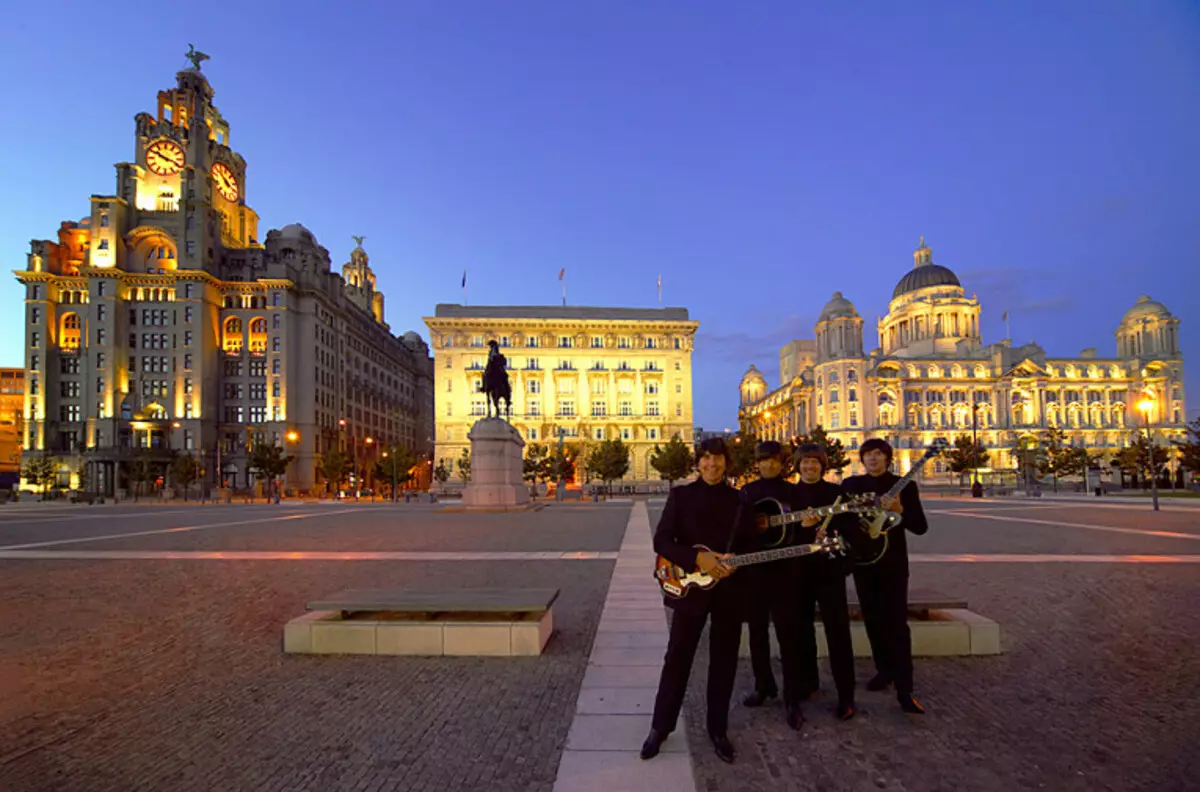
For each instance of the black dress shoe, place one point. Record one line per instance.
(653, 743)
(757, 698)
(910, 704)
(879, 682)
(845, 710)
(724, 748)
(795, 718)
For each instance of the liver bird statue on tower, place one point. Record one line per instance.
(195, 56)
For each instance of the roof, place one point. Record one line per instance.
(453, 310)
(837, 306)
(923, 277)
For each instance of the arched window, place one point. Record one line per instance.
(956, 371)
(851, 376)
(69, 338)
(232, 341)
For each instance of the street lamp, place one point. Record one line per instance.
(1146, 405)
(370, 442)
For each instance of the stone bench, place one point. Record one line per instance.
(941, 626)
(492, 622)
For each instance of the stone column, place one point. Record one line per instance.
(496, 468)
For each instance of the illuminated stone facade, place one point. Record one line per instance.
(594, 373)
(161, 323)
(12, 411)
(931, 371)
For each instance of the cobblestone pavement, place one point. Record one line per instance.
(1098, 687)
(166, 675)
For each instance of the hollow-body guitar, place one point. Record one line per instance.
(675, 581)
(774, 520)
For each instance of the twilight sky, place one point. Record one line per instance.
(758, 155)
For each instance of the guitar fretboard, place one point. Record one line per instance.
(911, 475)
(791, 517)
(763, 556)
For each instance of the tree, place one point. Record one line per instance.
(966, 455)
(141, 470)
(673, 461)
(441, 474)
(536, 464)
(82, 474)
(396, 467)
(269, 462)
(562, 462)
(1056, 458)
(610, 461)
(1189, 447)
(185, 471)
(464, 465)
(741, 454)
(334, 467)
(833, 448)
(1136, 459)
(41, 471)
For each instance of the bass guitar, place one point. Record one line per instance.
(872, 542)
(675, 581)
(773, 520)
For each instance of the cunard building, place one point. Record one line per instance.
(163, 324)
(931, 375)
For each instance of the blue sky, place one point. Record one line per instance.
(758, 155)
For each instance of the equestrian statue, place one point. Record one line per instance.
(495, 382)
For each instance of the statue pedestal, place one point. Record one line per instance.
(497, 482)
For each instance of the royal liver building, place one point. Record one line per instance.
(162, 324)
(932, 375)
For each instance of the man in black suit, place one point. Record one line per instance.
(706, 512)
(822, 580)
(772, 596)
(883, 586)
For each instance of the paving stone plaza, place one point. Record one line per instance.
(141, 648)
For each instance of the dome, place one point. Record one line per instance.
(837, 306)
(753, 375)
(295, 231)
(923, 277)
(1145, 307)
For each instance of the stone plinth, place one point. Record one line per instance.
(497, 482)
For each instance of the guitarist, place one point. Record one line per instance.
(772, 597)
(709, 512)
(822, 580)
(883, 586)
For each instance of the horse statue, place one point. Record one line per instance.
(495, 382)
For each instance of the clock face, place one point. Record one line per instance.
(164, 158)
(225, 181)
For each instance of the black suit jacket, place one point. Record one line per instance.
(709, 515)
(895, 560)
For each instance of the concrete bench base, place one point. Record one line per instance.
(946, 633)
(395, 633)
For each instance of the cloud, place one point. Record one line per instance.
(1020, 291)
(742, 347)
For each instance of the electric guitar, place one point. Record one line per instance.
(773, 520)
(675, 581)
(872, 542)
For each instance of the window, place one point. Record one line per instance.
(533, 386)
(187, 338)
(275, 321)
(258, 415)
(258, 368)
(276, 298)
(187, 362)
(597, 342)
(275, 389)
(598, 434)
(625, 407)
(69, 390)
(652, 433)
(35, 315)
(833, 396)
(190, 247)
(187, 290)
(599, 409)
(35, 339)
(851, 394)
(35, 292)
(834, 419)
(853, 418)
(69, 412)
(258, 390)
(566, 342)
(34, 363)
(276, 366)
(101, 288)
(68, 365)
(626, 434)
(566, 386)
(233, 390)
(274, 343)
(679, 388)
(533, 341)
(599, 386)
(625, 387)
(532, 433)
(99, 384)
(187, 385)
(677, 365)
(535, 407)
(233, 415)
(101, 313)
(678, 345)
(652, 408)
(33, 383)
(651, 388)
(678, 410)
(624, 342)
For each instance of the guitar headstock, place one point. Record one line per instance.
(833, 544)
(938, 446)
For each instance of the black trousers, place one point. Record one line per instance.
(773, 599)
(883, 596)
(823, 582)
(725, 635)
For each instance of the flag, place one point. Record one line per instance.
(464, 283)
(1005, 317)
(660, 288)
(562, 272)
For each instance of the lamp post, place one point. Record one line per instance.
(385, 456)
(370, 444)
(292, 437)
(1146, 404)
(558, 491)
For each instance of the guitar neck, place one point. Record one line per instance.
(822, 511)
(761, 557)
(910, 476)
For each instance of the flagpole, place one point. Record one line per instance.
(660, 290)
